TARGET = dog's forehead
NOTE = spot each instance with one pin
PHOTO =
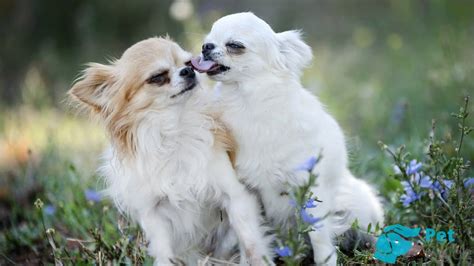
(240, 25)
(154, 51)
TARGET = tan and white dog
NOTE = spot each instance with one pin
(278, 125)
(168, 165)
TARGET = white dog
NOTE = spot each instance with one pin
(278, 125)
(168, 166)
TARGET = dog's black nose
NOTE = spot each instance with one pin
(207, 47)
(187, 72)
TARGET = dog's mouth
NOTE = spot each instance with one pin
(189, 87)
(208, 66)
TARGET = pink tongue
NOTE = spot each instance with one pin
(202, 65)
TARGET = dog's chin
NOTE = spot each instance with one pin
(189, 86)
(217, 69)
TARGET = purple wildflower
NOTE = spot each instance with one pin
(413, 167)
(410, 195)
(469, 182)
(310, 203)
(92, 195)
(443, 190)
(308, 165)
(284, 251)
(49, 210)
(424, 182)
(308, 218)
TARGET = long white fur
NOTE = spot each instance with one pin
(278, 125)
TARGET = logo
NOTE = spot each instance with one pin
(394, 241)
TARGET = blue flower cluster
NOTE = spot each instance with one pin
(302, 208)
(307, 217)
(417, 178)
(285, 251)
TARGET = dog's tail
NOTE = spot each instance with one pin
(359, 203)
(359, 214)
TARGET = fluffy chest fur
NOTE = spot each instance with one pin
(170, 170)
(170, 162)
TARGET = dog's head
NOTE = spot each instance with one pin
(242, 45)
(152, 75)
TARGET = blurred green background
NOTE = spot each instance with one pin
(384, 69)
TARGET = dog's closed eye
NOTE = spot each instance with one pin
(159, 79)
(235, 47)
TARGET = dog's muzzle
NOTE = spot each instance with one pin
(209, 67)
(189, 77)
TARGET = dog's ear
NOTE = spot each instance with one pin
(296, 54)
(91, 88)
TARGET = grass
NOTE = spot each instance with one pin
(387, 88)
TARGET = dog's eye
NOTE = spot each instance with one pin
(188, 63)
(159, 79)
(235, 45)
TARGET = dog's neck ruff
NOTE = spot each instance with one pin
(172, 151)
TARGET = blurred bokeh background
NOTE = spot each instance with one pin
(384, 69)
